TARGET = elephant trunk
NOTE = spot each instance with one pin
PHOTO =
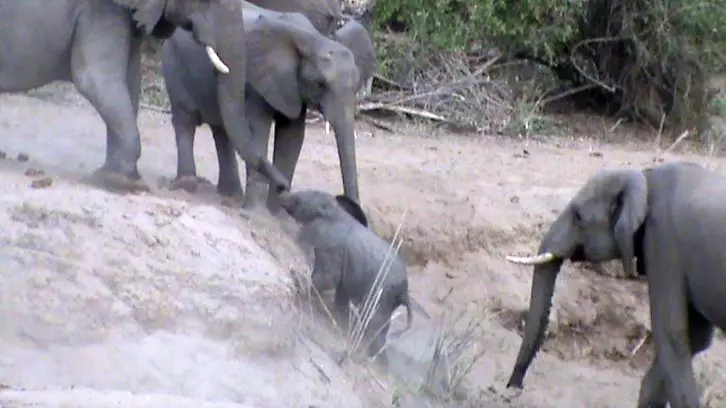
(559, 243)
(340, 112)
(229, 40)
(543, 286)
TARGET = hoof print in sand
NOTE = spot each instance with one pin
(33, 172)
(44, 182)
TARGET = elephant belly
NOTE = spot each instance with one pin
(35, 37)
(701, 230)
(706, 282)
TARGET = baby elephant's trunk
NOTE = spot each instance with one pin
(405, 300)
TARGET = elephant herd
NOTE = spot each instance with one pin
(241, 66)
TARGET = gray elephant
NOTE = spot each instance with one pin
(672, 219)
(96, 45)
(348, 257)
(325, 15)
(290, 66)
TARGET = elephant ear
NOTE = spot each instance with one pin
(352, 208)
(273, 62)
(354, 36)
(149, 16)
(633, 199)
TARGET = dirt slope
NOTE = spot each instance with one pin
(170, 298)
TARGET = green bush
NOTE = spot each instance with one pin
(641, 58)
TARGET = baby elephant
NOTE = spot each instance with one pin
(348, 257)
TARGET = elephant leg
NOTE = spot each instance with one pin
(669, 318)
(342, 306)
(652, 392)
(100, 58)
(652, 388)
(376, 334)
(289, 137)
(322, 278)
(228, 183)
(260, 117)
(133, 83)
(185, 127)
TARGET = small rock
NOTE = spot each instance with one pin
(3, 155)
(595, 154)
(33, 172)
(514, 199)
(22, 157)
(523, 155)
(44, 182)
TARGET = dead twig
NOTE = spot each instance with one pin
(673, 145)
(640, 344)
(154, 108)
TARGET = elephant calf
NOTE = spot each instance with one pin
(348, 257)
(671, 218)
(290, 66)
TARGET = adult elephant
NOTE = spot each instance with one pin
(291, 66)
(671, 218)
(325, 15)
(96, 45)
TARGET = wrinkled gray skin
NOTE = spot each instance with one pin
(348, 257)
(290, 66)
(325, 15)
(672, 218)
(96, 45)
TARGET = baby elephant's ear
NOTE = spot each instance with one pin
(352, 208)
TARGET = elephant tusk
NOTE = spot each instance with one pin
(327, 127)
(216, 61)
(532, 260)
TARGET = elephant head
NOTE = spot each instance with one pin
(218, 25)
(599, 224)
(354, 36)
(292, 66)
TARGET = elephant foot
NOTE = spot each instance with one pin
(116, 181)
(188, 183)
(233, 201)
(227, 189)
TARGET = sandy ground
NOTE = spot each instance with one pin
(170, 299)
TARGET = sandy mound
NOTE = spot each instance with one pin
(170, 299)
(145, 295)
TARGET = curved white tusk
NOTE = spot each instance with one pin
(216, 61)
(532, 260)
(327, 127)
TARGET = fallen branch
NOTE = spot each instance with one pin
(389, 82)
(154, 108)
(377, 124)
(640, 344)
(673, 145)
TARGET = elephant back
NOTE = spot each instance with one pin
(325, 15)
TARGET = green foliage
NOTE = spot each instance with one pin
(459, 25)
(645, 58)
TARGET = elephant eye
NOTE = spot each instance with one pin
(577, 216)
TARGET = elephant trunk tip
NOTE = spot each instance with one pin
(286, 199)
(516, 379)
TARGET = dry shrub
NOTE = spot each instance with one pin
(447, 87)
(649, 60)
